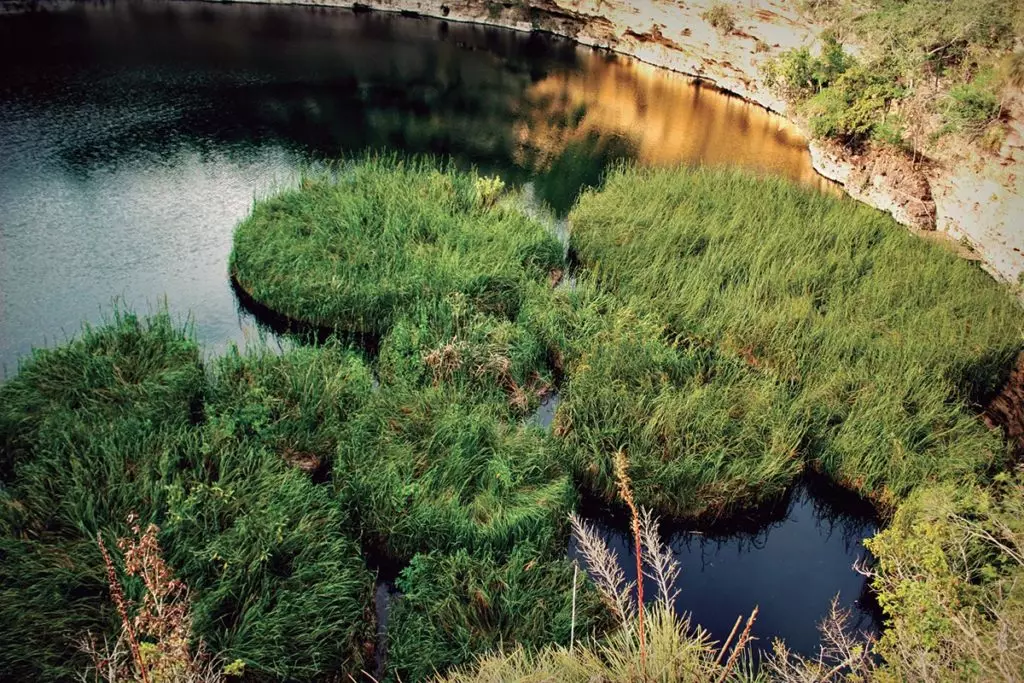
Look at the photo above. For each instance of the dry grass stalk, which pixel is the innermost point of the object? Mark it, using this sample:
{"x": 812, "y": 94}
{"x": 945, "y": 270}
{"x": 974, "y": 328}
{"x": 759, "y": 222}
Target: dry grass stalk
{"x": 664, "y": 570}
{"x": 572, "y": 625}
{"x": 117, "y": 595}
{"x": 604, "y": 569}
{"x": 728, "y": 641}
{"x": 844, "y": 655}
{"x": 626, "y": 492}
{"x": 163, "y": 618}
{"x": 445, "y": 360}
{"x": 741, "y": 645}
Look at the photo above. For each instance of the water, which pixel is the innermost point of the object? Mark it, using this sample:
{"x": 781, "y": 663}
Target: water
{"x": 135, "y": 135}
{"x": 789, "y": 560}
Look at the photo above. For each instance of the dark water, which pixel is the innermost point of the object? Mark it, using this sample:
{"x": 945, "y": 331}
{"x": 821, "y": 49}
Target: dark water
{"x": 790, "y": 561}
{"x": 135, "y": 135}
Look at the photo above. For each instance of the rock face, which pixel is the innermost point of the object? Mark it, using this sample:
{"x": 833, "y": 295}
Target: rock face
{"x": 974, "y": 198}
{"x": 888, "y": 182}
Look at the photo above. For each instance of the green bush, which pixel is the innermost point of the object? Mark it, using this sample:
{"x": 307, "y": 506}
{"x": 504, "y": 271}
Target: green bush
{"x": 387, "y": 237}
{"x": 800, "y": 75}
{"x": 971, "y": 107}
{"x": 949, "y": 579}
{"x": 852, "y": 109}
{"x": 457, "y": 607}
{"x": 721, "y": 16}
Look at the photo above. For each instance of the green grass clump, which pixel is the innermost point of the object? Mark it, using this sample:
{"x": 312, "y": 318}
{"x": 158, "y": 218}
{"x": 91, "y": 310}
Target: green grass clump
{"x": 434, "y": 469}
{"x": 146, "y": 371}
{"x": 702, "y": 431}
{"x": 489, "y": 358}
{"x": 53, "y": 590}
{"x": 276, "y": 579}
{"x": 294, "y": 404}
{"x": 458, "y": 606}
{"x": 122, "y": 420}
{"x": 89, "y": 431}
{"x": 386, "y": 236}
{"x": 888, "y": 341}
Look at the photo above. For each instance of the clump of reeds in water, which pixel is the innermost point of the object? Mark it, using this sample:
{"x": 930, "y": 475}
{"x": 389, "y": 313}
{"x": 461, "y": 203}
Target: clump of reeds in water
{"x": 703, "y": 431}
{"x": 886, "y": 341}
{"x": 385, "y": 236}
{"x": 125, "y": 419}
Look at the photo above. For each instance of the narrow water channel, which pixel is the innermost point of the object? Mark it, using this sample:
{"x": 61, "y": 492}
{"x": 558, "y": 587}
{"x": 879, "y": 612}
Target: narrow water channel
{"x": 135, "y": 135}
{"x": 790, "y": 560}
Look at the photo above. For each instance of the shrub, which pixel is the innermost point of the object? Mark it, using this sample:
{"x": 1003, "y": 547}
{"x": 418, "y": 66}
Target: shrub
{"x": 971, "y": 107}
{"x": 386, "y": 237}
{"x": 800, "y": 74}
{"x": 721, "y": 16}
{"x": 949, "y": 580}
{"x": 853, "y": 107}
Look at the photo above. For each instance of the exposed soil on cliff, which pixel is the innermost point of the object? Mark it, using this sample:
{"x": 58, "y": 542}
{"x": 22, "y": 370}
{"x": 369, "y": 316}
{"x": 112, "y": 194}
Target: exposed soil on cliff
{"x": 1006, "y": 410}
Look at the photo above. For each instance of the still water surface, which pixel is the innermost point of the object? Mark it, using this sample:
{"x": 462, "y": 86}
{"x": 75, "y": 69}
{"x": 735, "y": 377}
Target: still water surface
{"x": 134, "y": 136}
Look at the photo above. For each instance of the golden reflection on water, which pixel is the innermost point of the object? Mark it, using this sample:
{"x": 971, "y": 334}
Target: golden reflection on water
{"x": 664, "y": 118}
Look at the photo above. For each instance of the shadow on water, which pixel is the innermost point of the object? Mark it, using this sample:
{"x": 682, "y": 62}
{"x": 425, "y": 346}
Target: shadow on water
{"x": 790, "y": 559}
{"x": 271, "y": 322}
{"x": 385, "y": 593}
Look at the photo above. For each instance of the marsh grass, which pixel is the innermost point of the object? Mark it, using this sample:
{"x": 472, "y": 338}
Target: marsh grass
{"x": 491, "y": 358}
{"x": 278, "y": 582}
{"x": 125, "y": 419}
{"x": 295, "y": 404}
{"x": 433, "y": 469}
{"x": 886, "y": 342}
{"x": 724, "y": 333}
{"x": 702, "y": 431}
{"x": 89, "y": 431}
{"x": 360, "y": 250}
{"x": 455, "y": 606}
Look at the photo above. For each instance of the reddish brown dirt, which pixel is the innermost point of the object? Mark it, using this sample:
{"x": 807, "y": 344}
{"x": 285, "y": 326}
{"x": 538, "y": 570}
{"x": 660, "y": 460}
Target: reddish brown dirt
{"x": 1006, "y": 410}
